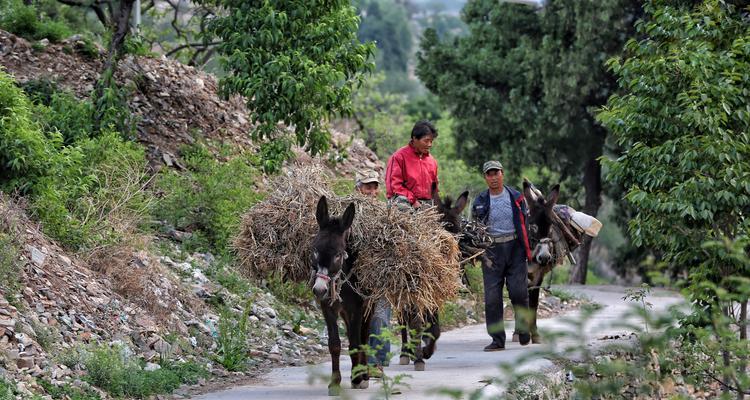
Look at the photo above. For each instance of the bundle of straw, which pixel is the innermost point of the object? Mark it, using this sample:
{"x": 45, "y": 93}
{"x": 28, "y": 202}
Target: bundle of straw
{"x": 407, "y": 258}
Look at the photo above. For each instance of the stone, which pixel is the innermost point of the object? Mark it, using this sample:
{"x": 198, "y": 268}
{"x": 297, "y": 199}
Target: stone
{"x": 151, "y": 367}
{"x": 25, "y": 362}
{"x": 65, "y": 260}
{"x": 37, "y": 257}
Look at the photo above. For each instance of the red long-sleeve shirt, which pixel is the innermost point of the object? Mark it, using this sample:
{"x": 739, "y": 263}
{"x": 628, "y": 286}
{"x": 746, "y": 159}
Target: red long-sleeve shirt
{"x": 410, "y": 174}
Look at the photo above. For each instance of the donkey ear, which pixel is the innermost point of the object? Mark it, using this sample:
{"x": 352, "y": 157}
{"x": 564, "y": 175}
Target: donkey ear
{"x": 348, "y": 217}
{"x": 528, "y": 193}
{"x": 461, "y": 203}
{"x": 436, "y": 195}
{"x": 553, "y": 196}
{"x": 321, "y": 213}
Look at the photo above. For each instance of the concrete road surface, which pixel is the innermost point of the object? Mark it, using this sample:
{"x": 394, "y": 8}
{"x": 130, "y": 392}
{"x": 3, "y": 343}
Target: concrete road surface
{"x": 459, "y": 362}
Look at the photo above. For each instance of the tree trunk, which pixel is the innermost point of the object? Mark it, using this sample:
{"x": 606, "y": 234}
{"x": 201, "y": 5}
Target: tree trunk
{"x": 592, "y": 183}
{"x": 110, "y": 65}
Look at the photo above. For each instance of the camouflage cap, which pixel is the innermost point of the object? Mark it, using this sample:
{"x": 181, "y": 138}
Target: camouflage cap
{"x": 367, "y": 176}
{"x": 491, "y": 165}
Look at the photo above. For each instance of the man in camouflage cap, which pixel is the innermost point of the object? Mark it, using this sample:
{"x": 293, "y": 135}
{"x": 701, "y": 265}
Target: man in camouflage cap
{"x": 367, "y": 183}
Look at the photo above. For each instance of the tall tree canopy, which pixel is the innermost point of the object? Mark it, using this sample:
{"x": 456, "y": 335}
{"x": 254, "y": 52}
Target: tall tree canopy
{"x": 683, "y": 119}
{"x": 295, "y": 61}
{"x": 524, "y": 84}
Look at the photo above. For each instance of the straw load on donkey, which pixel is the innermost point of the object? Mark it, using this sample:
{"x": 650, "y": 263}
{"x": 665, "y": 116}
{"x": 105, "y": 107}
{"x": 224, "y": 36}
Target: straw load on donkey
{"x": 409, "y": 259}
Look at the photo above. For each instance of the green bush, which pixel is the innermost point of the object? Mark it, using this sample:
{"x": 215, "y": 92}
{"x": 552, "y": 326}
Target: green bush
{"x": 7, "y": 390}
{"x": 207, "y": 200}
{"x": 9, "y": 268}
{"x": 24, "y": 150}
{"x": 111, "y": 370}
{"x": 25, "y": 21}
{"x": 19, "y": 19}
{"x": 94, "y": 192}
{"x": 54, "y": 31}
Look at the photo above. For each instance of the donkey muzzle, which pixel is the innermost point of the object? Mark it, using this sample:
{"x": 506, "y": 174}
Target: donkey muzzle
{"x": 320, "y": 287}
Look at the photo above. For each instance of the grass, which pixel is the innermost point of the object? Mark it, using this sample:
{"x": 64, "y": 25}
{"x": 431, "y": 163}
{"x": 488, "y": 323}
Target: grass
{"x": 68, "y": 392}
{"x": 120, "y": 376}
{"x": 9, "y": 268}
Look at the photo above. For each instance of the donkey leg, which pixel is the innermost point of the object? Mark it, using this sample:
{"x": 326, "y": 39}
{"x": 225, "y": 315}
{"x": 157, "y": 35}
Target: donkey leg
{"x": 417, "y": 327}
{"x": 360, "y": 378}
{"x": 533, "y": 307}
{"x": 405, "y": 350}
{"x": 334, "y": 347}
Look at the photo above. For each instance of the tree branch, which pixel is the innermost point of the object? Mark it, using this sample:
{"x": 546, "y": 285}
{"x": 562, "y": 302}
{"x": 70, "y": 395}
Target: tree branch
{"x": 199, "y": 45}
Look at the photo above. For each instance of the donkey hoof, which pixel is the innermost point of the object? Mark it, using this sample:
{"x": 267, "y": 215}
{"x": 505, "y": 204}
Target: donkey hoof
{"x": 419, "y": 366}
{"x": 536, "y": 339}
{"x": 515, "y": 337}
{"x": 403, "y": 360}
{"x": 361, "y": 385}
{"x": 334, "y": 390}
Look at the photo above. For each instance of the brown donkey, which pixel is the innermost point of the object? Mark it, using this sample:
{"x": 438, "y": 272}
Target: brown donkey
{"x": 428, "y": 325}
{"x": 335, "y": 290}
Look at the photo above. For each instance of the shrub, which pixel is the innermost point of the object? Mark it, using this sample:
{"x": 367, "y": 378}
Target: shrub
{"x": 94, "y": 193}
{"x": 208, "y": 199}
{"x": 24, "y": 21}
{"x": 109, "y": 368}
{"x": 24, "y": 150}
{"x": 67, "y": 116}
{"x": 19, "y": 19}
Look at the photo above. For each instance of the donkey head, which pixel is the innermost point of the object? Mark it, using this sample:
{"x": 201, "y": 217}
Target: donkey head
{"x": 329, "y": 246}
{"x": 451, "y": 214}
{"x": 540, "y": 220}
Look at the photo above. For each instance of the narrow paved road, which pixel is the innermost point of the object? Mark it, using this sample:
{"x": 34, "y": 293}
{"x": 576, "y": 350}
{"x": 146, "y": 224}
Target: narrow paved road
{"x": 458, "y": 363}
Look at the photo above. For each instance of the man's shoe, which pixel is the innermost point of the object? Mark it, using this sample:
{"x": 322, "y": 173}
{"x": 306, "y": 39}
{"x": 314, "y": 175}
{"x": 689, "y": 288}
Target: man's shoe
{"x": 494, "y": 347}
{"x": 524, "y": 338}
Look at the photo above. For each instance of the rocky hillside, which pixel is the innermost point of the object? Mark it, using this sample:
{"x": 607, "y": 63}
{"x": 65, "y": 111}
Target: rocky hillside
{"x": 160, "y": 307}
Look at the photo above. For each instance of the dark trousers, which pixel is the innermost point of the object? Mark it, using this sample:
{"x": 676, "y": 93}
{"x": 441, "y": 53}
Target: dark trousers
{"x": 508, "y": 265}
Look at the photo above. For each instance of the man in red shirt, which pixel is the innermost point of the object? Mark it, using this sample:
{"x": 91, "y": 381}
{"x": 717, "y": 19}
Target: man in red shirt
{"x": 411, "y": 171}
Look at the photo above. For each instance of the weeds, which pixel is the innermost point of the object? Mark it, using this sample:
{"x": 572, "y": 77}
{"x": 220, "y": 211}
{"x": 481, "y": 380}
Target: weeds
{"x": 9, "y": 268}
{"x": 112, "y": 370}
{"x": 232, "y": 339}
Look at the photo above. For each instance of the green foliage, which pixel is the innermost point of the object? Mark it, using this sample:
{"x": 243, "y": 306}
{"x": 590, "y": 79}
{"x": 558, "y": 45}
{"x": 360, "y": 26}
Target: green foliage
{"x": 24, "y": 150}
{"x": 9, "y": 267}
{"x": 93, "y": 193}
{"x": 67, "y": 116}
{"x": 386, "y": 23}
{"x": 25, "y": 21}
{"x": 111, "y": 111}
{"x": 289, "y": 292}
{"x": 109, "y": 368}
{"x": 208, "y": 199}
{"x": 383, "y": 124}
{"x": 683, "y": 119}
{"x": 274, "y": 152}
{"x": 232, "y": 339}
{"x": 68, "y": 392}
{"x": 7, "y": 390}
{"x": 293, "y": 62}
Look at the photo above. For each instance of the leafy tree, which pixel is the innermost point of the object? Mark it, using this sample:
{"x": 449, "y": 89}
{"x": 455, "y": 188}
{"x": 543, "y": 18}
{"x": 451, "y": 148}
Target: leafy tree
{"x": 523, "y": 85}
{"x": 294, "y": 61}
{"x": 683, "y": 118}
{"x": 385, "y": 22}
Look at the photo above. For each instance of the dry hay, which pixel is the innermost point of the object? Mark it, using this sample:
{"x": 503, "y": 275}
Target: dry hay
{"x": 406, "y": 258}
